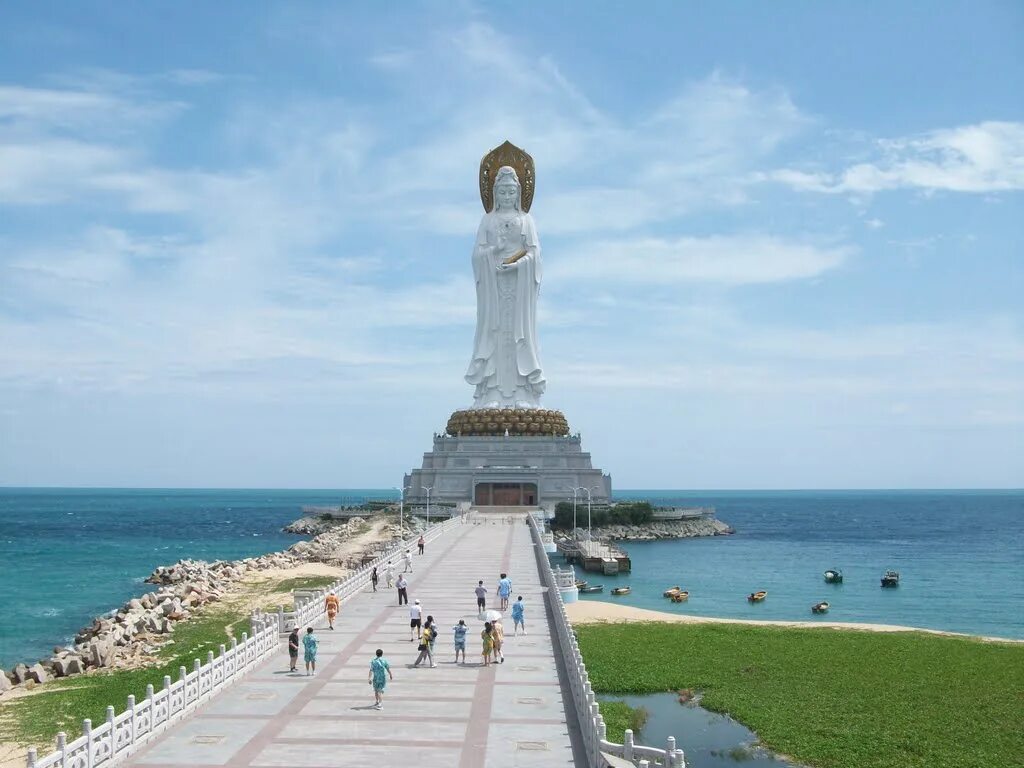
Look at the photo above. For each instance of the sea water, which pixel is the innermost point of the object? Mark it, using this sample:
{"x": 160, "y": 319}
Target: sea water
{"x": 960, "y": 555}
{"x": 68, "y": 555}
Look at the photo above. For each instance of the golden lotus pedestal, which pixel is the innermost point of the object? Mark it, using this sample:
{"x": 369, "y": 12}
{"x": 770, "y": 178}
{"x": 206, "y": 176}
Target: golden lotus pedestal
{"x": 513, "y": 422}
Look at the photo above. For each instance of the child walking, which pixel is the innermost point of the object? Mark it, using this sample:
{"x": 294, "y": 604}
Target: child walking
{"x": 487, "y": 641}
{"x": 460, "y": 640}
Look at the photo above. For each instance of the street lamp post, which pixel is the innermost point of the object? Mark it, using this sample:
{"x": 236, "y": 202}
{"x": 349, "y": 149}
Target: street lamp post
{"x": 401, "y": 509}
{"x": 590, "y": 536}
{"x": 428, "y": 490}
{"x": 574, "y": 491}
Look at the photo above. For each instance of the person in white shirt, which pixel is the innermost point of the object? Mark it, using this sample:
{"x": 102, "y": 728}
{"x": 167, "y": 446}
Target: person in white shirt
{"x": 389, "y": 574}
{"x": 415, "y": 620}
{"x": 408, "y": 561}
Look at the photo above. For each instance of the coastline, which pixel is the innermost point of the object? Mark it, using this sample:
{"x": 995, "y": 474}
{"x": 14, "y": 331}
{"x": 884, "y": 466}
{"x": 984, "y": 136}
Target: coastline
{"x": 599, "y": 612}
{"x": 130, "y": 636}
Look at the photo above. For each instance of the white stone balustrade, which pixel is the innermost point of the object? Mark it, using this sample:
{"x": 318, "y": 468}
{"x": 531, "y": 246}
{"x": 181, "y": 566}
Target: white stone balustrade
{"x": 120, "y": 735}
{"x": 592, "y": 724}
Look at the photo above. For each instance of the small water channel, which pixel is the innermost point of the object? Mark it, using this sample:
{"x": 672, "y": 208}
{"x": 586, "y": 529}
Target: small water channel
{"x": 708, "y": 739}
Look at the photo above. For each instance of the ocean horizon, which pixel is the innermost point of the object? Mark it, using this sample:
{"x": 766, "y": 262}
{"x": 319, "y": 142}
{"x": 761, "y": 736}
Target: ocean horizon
{"x": 69, "y": 554}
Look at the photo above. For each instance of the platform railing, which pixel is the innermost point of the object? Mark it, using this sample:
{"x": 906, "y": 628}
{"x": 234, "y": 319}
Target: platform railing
{"x": 592, "y": 724}
{"x": 121, "y": 734}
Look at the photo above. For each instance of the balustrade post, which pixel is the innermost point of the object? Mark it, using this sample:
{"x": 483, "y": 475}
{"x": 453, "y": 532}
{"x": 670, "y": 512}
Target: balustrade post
{"x": 670, "y": 746}
{"x": 131, "y": 708}
{"x": 62, "y": 747}
{"x": 110, "y": 728}
{"x": 245, "y": 636}
{"x": 31, "y": 760}
{"x": 87, "y": 733}
{"x": 644, "y": 764}
{"x": 627, "y": 744}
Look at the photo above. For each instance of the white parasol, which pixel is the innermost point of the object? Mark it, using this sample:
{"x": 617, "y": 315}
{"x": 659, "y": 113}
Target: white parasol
{"x": 490, "y": 615}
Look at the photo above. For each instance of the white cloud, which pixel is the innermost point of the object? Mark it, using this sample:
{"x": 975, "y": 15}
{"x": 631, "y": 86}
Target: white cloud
{"x": 982, "y": 158}
{"x": 728, "y": 260}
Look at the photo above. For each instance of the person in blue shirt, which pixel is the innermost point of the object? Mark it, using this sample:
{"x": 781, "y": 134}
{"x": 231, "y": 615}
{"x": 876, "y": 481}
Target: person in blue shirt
{"x": 310, "y": 644}
{"x": 460, "y": 640}
{"x": 518, "y": 616}
{"x": 504, "y": 590}
{"x": 380, "y": 673}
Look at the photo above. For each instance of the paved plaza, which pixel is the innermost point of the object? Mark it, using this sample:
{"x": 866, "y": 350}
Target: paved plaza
{"x": 464, "y": 716}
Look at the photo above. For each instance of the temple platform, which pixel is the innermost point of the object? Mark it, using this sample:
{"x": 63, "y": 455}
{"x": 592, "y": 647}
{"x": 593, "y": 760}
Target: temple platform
{"x": 494, "y": 471}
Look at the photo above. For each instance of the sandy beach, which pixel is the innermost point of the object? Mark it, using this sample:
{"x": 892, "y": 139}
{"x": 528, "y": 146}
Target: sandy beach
{"x": 598, "y": 612}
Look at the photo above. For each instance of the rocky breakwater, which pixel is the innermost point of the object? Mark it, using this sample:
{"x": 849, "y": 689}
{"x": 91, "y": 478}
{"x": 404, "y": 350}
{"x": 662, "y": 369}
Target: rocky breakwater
{"x": 129, "y": 637}
{"x": 668, "y": 529}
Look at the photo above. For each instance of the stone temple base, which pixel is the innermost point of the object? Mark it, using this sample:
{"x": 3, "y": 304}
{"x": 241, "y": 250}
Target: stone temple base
{"x": 522, "y": 470}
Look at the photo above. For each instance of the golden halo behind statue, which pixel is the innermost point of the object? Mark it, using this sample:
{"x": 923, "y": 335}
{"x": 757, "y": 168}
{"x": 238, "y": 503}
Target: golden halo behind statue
{"x": 511, "y": 155}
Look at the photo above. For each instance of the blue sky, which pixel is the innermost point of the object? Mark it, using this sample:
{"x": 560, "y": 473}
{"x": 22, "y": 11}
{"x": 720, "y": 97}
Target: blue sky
{"x": 782, "y": 243}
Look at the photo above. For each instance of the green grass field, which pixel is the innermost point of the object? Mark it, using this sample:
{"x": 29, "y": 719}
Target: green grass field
{"x": 61, "y": 705}
{"x": 830, "y": 698}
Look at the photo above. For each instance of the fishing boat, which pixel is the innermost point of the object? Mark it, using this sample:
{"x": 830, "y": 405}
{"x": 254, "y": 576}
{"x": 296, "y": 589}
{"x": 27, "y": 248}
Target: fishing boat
{"x": 580, "y": 583}
{"x": 820, "y": 608}
{"x": 621, "y": 591}
{"x": 757, "y": 597}
{"x": 833, "y": 576}
{"x": 891, "y": 579}
{"x": 671, "y": 591}
{"x": 592, "y": 588}
{"x": 680, "y": 597}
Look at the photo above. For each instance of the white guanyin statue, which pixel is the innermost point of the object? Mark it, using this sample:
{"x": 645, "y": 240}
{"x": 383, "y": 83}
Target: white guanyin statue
{"x": 505, "y": 368}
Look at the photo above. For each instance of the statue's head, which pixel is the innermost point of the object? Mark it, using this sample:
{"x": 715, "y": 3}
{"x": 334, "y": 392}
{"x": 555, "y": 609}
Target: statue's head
{"x": 506, "y": 189}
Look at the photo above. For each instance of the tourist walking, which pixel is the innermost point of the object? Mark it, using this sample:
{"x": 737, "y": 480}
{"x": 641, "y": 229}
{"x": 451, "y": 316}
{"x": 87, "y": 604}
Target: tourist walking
{"x": 389, "y": 574}
{"x": 498, "y": 633}
{"x": 518, "y": 616}
{"x": 408, "y": 561}
{"x": 415, "y": 620}
{"x": 504, "y": 590}
{"x": 403, "y": 587}
{"x": 487, "y": 641}
{"x": 378, "y": 679}
{"x": 310, "y": 644}
{"x": 425, "y": 649}
{"x": 293, "y": 650}
{"x": 374, "y": 578}
{"x": 481, "y": 596}
{"x": 332, "y": 605}
{"x": 421, "y": 543}
{"x": 460, "y": 640}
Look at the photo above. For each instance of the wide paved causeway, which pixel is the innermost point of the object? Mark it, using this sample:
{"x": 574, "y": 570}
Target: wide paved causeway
{"x": 464, "y": 716}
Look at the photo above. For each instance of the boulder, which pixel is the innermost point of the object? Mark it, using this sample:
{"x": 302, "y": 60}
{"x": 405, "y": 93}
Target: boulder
{"x": 71, "y": 665}
{"x": 101, "y": 653}
{"x": 5, "y": 684}
{"x": 37, "y": 673}
{"x": 20, "y": 673}
{"x": 135, "y": 604}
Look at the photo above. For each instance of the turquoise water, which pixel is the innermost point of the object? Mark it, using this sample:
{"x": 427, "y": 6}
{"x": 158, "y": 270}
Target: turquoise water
{"x": 67, "y": 555}
{"x": 960, "y": 555}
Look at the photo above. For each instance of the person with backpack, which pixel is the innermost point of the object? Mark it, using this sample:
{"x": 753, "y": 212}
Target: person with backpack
{"x": 425, "y": 649}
